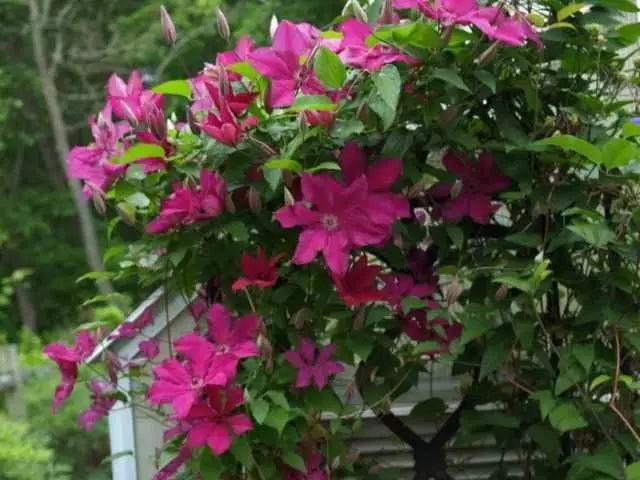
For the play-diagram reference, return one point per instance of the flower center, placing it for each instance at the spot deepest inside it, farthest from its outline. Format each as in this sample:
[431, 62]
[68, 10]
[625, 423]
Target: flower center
[330, 222]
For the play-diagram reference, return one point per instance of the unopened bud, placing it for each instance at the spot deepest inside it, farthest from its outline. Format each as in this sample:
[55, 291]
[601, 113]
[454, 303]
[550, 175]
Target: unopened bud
[168, 28]
[99, 203]
[456, 188]
[362, 113]
[449, 114]
[113, 366]
[223, 81]
[386, 12]
[223, 25]
[191, 121]
[288, 197]
[501, 293]
[397, 240]
[335, 463]
[288, 177]
[255, 202]
[301, 120]
[154, 118]
[300, 318]
[387, 403]
[453, 292]
[273, 25]
[359, 319]
[351, 391]
[229, 204]
[126, 217]
[488, 54]
[352, 457]
[359, 12]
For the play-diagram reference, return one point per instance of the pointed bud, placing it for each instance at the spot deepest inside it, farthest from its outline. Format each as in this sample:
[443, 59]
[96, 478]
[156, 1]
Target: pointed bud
[352, 457]
[453, 292]
[386, 13]
[222, 24]
[223, 81]
[113, 366]
[335, 463]
[456, 188]
[191, 121]
[299, 318]
[229, 204]
[255, 202]
[126, 217]
[168, 28]
[301, 120]
[362, 113]
[501, 293]
[359, 12]
[288, 178]
[99, 203]
[359, 319]
[154, 118]
[488, 54]
[288, 197]
[273, 25]
[449, 114]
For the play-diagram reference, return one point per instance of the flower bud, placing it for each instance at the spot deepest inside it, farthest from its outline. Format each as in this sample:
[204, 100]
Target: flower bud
[453, 292]
[99, 203]
[191, 121]
[113, 366]
[126, 217]
[456, 188]
[229, 204]
[501, 293]
[273, 25]
[359, 12]
[154, 118]
[488, 54]
[288, 178]
[359, 319]
[255, 202]
[299, 318]
[168, 28]
[223, 81]
[362, 113]
[386, 12]
[288, 197]
[222, 24]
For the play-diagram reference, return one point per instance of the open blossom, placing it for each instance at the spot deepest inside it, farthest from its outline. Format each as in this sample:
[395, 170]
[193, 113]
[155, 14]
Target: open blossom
[190, 205]
[93, 164]
[239, 54]
[281, 63]
[399, 286]
[340, 219]
[354, 51]
[180, 384]
[131, 329]
[233, 339]
[479, 182]
[207, 97]
[102, 400]
[259, 271]
[174, 465]
[214, 420]
[149, 349]
[358, 286]
[315, 465]
[128, 100]
[511, 30]
[416, 326]
[447, 12]
[68, 359]
[313, 368]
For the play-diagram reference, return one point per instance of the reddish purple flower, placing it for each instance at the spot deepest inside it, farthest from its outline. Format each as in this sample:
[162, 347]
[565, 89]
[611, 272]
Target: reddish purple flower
[416, 326]
[233, 339]
[354, 50]
[214, 421]
[340, 219]
[358, 286]
[131, 329]
[259, 271]
[240, 54]
[68, 359]
[173, 467]
[381, 176]
[181, 384]
[510, 30]
[150, 349]
[315, 466]
[92, 164]
[128, 100]
[479, 183]
[398, 286]
[283, 63]
[311, 367]
[207, 96]
[447, 12]
[186, 206]
[102, 400]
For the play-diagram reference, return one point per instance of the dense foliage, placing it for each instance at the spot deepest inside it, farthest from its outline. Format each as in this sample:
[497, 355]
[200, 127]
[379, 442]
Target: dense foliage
[423, 182]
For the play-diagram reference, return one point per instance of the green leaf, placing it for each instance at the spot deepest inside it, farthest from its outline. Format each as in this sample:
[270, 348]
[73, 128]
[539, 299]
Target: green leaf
[259, 410]
[241, 450]
[116, 456]
[607, 461]
[313, 102]
[329, 68]
[475, 326]
[138, 152]
[618, 153]
[429, 409]
[548, 441]
[386, 94]
[294, 460]
[451, 77]
[515, 282]
[566, 417]
[411, 303]
[273, 176]
[418, 34]
[631, 129]
[573, 144]
[278, 398]
[343, 128]
[474, 420]
[633, 471]
[622, 5]
[599, 380]
[596, 234]
[277, 418]
[245, 69]
[237, 230]
[495, 353]
[525, 239]
[181, 88]
[325, 166]
[570, 10]
[323, 401]
[547, 402]
[138, 199]
[585, 354]
[456, 235]
[487, 79]
[426, 347]
[285, 164]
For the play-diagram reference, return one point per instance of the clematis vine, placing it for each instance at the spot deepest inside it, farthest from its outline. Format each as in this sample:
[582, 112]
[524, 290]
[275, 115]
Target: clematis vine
[129, 100]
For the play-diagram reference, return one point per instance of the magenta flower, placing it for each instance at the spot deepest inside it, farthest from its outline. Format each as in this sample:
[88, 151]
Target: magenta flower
[149, 349]
[311, 367]
[284, 65]
[102, 400]
[173, 467]
[128, 100]
[223, 127]
[358, 286]
[68, 359]
[186, 206]
[340, 219]
[315, 465]
[131, 329]
[181, 384]
[233, 339]
[381, 175]
[259, 271]
[214, 421]
[478, 185]
[398, 286]
[498, 26]
[447, 12]
[354, 51]
[240, 54]
[207, 96]
[416, 326]
[92, 164]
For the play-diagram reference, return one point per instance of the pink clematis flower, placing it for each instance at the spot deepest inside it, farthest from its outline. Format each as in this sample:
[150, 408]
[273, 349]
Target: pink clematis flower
[131, 329]
[186, 206]
[381, 176]
[233, 339]
[207, 97]
[93, 164]
[214, 421]
[311, 367]
[416, 326]
[181, 384]
[479, 183]
[283, 63]
[128, 100]
[223, 127]
[149, 349]
[68, 359]
[340, 219]
[259, 271]
[498, 26]
[240, 54]
[354, 50]
[102, 401]
[175, 464]
[398, 286]
[358, 286]
[315, 465]
[447, 12]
